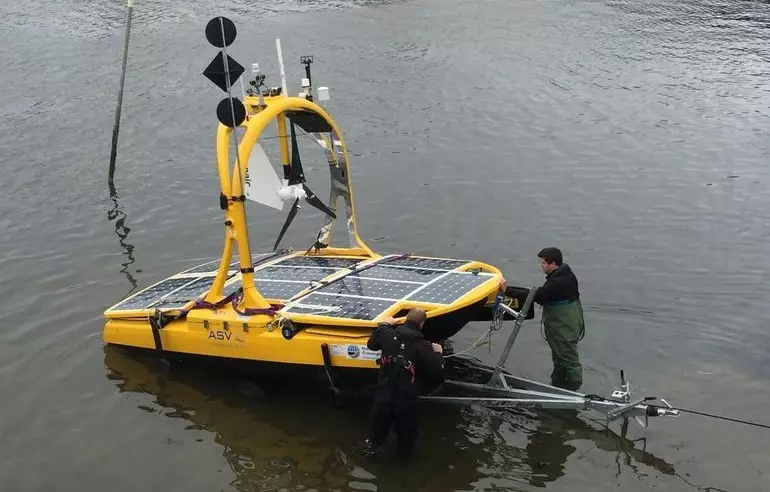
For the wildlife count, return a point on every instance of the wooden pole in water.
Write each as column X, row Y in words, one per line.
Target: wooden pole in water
column 116, row 128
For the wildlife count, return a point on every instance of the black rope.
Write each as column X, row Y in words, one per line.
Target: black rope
column 721, row 417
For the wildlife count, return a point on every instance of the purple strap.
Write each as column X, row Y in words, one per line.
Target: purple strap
column 271, row 311
column 200, row 303
column 234, row 298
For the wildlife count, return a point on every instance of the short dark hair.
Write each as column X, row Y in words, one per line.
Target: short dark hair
column 416, row 316
column 551, row 255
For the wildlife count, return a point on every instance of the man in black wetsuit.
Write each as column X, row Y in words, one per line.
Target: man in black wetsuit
column 409, row 366
column 562, row 317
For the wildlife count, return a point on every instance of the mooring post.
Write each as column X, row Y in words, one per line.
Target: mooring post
column 496, row 380
column 116, row 128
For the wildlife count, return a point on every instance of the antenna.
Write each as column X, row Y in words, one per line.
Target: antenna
column 259, row 81
column 307, row 60
column 280, row 64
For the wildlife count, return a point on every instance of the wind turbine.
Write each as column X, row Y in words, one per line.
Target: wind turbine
column 264, row 186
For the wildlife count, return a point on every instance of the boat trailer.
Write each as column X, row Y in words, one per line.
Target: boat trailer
column 503, row 390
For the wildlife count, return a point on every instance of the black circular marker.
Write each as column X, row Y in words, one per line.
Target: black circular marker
column 226, row 117
column 214, row 32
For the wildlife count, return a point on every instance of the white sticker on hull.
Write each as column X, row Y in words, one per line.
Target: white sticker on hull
column 353, row 351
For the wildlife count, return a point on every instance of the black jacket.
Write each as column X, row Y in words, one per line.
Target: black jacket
column 428, row 365
column 560, row 285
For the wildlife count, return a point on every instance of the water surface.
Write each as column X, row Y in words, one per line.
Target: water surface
column 633, row 135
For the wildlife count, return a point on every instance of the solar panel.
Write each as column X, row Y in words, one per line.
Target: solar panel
column 175, row 292
column 448, row 288
column 146, row 298
column 282, row 290
column 384, row 272
column 435, row 263
column 190, row 291
column 308, row 309
column 318, row 261
column 293, row 273
column 340, row 306
column 171, row 304
column 365, row 287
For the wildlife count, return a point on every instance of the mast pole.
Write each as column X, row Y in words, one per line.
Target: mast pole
column 116, row 128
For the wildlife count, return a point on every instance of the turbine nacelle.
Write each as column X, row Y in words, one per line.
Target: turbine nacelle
column 292, row 192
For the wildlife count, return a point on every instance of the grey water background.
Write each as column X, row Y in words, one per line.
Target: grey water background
column 631, row 134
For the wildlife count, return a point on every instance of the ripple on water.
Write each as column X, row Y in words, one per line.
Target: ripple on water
column 631, row 134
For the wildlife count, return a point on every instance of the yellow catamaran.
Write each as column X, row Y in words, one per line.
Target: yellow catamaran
column 317, row 308
column 314, row 307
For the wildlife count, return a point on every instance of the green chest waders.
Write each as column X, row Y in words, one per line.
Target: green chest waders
column 564, row 328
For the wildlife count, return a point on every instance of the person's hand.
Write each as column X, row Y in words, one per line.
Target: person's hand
column 501, row 283
column 437, row 348
column 388, row 320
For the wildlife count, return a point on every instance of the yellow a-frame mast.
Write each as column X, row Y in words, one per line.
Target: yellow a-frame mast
column 232, row 189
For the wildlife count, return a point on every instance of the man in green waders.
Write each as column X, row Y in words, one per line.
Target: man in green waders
column 562, row 317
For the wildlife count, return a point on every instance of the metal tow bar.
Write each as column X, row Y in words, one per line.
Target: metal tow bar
column 504, row 390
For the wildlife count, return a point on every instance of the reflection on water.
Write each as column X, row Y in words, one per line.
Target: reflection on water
column 121, row 229
column 282, row 433
column 548, row 448
column 259, row 453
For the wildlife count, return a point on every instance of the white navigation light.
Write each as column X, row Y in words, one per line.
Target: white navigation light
column 323, row 94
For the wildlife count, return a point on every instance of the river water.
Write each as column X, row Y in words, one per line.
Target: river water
column 631, row 134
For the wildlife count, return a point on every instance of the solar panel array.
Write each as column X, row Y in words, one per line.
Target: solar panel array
column 177, row 291
column 369, row 287
column 147, row 298
column 448, row 288
column 367, row 294
column 363, row 294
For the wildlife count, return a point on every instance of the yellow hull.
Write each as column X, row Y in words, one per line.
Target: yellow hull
column 226, row 337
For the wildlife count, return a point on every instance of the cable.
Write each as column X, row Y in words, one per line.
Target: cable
column 756, row 424
column 477, row 343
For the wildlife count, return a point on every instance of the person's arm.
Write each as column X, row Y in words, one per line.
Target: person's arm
column 432, row 365
column 376, row 337
column 552, row 290
column 374, row 340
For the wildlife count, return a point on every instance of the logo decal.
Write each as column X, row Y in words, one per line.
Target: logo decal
column 353, row 351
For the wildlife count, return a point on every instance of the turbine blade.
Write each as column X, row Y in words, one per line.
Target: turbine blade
column 316, row 202
column 289, row 218
column 296, row 174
